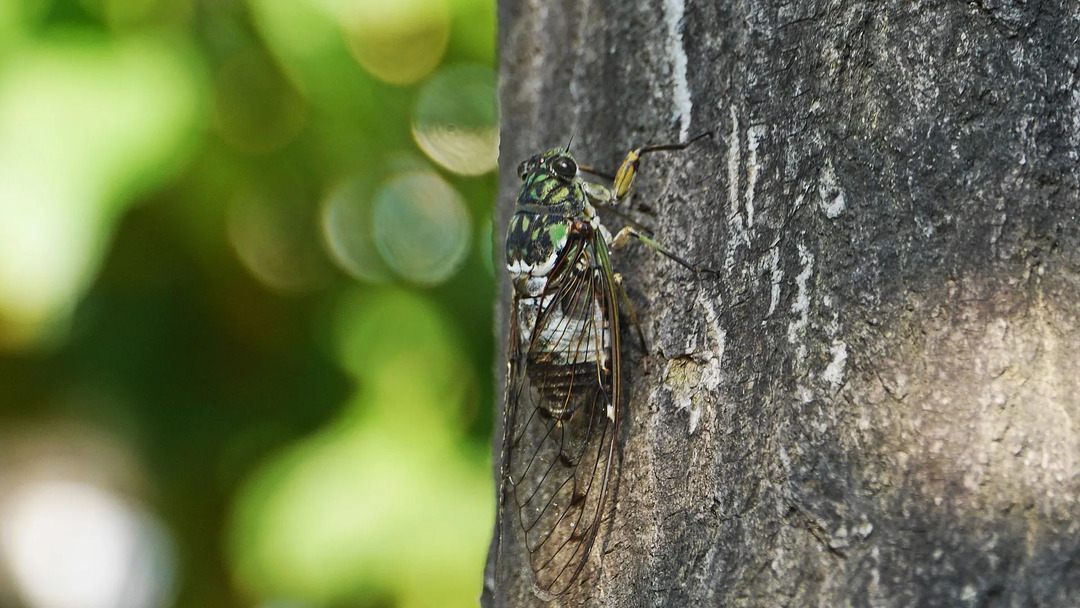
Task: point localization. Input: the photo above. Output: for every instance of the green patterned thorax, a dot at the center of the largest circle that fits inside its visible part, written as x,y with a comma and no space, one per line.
550,200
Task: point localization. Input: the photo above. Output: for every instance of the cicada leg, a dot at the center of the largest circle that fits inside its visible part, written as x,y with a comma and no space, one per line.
622,184
594,171
617,278
624,178
628,232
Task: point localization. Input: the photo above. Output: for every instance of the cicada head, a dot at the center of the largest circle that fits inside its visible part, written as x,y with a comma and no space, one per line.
551,180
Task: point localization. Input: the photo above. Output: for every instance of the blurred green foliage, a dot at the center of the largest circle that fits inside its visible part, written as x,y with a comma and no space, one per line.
246,286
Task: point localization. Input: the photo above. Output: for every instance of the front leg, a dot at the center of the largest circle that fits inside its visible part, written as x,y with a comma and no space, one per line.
599,195
624,178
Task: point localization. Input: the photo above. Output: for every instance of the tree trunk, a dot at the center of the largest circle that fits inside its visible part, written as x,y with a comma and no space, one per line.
877,400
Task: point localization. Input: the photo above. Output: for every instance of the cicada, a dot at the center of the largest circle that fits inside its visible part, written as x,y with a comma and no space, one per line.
563,389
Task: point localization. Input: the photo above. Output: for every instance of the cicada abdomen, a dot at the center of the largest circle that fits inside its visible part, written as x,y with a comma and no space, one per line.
562,435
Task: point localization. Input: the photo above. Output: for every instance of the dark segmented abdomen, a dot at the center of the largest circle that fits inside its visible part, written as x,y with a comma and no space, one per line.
564,387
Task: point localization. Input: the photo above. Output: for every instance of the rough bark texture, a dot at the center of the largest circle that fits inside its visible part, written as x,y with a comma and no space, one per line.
877,402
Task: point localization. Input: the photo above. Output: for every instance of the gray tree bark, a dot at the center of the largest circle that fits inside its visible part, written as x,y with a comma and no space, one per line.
877,401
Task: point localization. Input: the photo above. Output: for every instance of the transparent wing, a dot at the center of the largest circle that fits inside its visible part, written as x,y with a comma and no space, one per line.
562,414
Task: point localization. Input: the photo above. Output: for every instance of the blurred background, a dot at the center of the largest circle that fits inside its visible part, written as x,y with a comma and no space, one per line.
246,290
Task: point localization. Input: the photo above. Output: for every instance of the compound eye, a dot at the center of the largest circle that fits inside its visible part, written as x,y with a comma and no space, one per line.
564,167
521,170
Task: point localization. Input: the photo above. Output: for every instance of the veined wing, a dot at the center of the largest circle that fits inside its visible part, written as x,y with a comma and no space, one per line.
562,412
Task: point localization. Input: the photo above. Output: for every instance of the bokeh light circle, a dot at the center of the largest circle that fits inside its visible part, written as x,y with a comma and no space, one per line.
455,120
348,231
70,544
73,532
422,227
273,235
401,41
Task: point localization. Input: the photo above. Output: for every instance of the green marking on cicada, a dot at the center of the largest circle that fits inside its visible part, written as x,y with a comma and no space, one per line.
557,234
564,387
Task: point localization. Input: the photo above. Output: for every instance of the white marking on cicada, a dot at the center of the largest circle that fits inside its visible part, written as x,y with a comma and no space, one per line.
562,336
544,268
531,279
535,285
517,268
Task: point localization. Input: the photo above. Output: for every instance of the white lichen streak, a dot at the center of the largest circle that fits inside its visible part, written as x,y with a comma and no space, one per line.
801,306
834,371
693,390
776,277
739,234
832,196
710,372
753,135
674,10
710,377
1074,151
734,157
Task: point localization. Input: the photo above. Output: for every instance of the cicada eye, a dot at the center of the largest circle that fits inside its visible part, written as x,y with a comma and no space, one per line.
521,170
564,167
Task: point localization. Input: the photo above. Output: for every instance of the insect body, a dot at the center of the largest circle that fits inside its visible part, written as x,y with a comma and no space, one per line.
563,389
